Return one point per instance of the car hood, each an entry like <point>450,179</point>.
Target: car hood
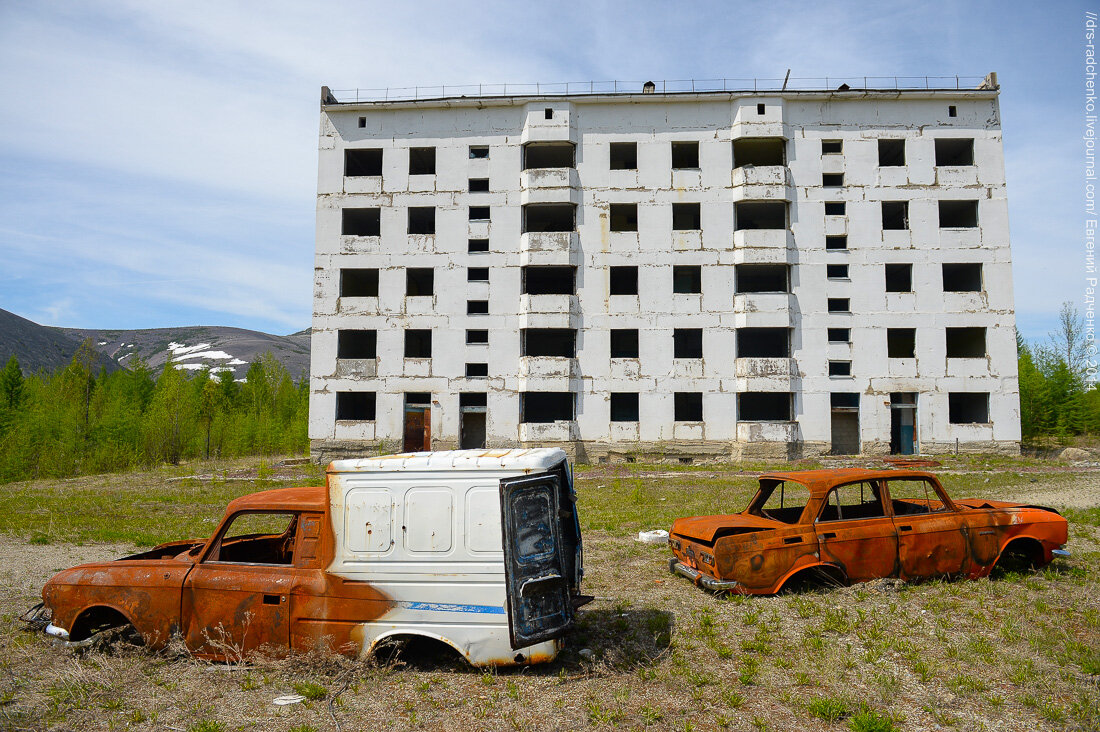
<point>704,528</point>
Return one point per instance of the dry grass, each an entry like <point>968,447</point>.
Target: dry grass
<point>1016,652</point>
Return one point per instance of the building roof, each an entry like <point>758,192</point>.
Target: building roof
<point>515,460</point>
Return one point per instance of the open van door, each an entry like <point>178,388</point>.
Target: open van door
<point>539,556</point>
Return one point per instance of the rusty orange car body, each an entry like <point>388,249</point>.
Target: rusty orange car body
<point>854,525</point>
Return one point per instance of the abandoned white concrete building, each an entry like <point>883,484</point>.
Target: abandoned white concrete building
<point>707,273</point>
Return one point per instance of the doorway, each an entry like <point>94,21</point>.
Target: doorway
<point>845,423</point>
<point>903,423</point>
<point>471,427</point>
<point>418,422</point>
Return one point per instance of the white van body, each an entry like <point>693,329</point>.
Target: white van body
<point>426,530</point>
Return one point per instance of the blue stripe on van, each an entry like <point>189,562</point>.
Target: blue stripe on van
<point>446,607</point>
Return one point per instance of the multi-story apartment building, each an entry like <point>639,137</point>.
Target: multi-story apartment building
<point>718,274</point>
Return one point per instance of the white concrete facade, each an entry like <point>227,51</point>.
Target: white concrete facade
<point>968,398</point>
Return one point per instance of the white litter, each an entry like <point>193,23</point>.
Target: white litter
<point>657,536</point>
<point>282,701</point>
<point>585,653</point>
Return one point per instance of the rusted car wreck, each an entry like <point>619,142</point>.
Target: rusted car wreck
<point>846,526</point>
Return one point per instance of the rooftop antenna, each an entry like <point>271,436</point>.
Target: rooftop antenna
<point>785,78</point>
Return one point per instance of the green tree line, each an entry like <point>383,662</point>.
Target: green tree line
<point>75,421</point>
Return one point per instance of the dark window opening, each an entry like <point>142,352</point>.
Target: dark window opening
<point>761,278</point>
<point>624,343</point>
<point>363,162</point>
<point>419,281</point>
<point>954,151</point>
<point>968,407</point>
<point>418,344</point>
<point>760,109</point>
<point>478,245</point>
<point>472,399</point>
<point>686,217</point>
<point>763,343</point>
<point>549,280</point>
<point>764,406</point>
<point>962,277</point>
<point>687,278</point>
<point>548,113</point>
<point>479,152</point>
<point>899,278</point>
<point>688,406</point>
<point>362,121</point>
<point>891,153</point>
<point>355,405</point>
<point>477,370</point>
<point>844,400</point>
<point>479,185</point>
<point>839,335</point>
<point>361,222</point>
<point>479,213</point>
<point>624,280</point>
<point>623,216</point>
<point>685,155</point>
<point>421,161</point>
<point>624,406</point>
<point>834,208</point>
<point>836,242</point>
<point>836,271</point>
<point>555,342</point>
<point>624,156</point>
<point>901,342</point>
<point>477,274</point>
<point>839,305</point>
<point>966,343</point>
<point>895,215</point>
<point>422,220</point>
<point>540,407</point>
<point>548,155</point>
<point>477,307</point>
<point>832,147</point>
<point>476,337</point>
<point>761,215</point>
<point>759,151</point>
<point>418,398</point>
<point>840,368</point>
<point>549,217</point>
<point>359,283</point>
<point>687,343</point>
<point>958,214</point>
<point>952,110</point>
<point>832,180</point>
<point>357,344</point>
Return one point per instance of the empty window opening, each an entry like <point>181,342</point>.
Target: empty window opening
<point>760,109</point>
<point>549,280</point>
<point>479,185</point>
<point>624,156</point>
<point>685,155</point>
<point>355,405</point>
<point>761,215</point>
<point>836,242</point>
<point>362,122</point>
<point>899,278</point>
<point>419,281</point>
<point>422,220</point>
<point>952,110</point>
<point>555,342</point>
<point>624,343</point>
<point>418,343</point>
<point>763,343</point>
<point>477,337</point>
<point>623,216</point>
<point>549,217</point>
<point>839,335</point>
<point>966,343</point>
<point>477,370</point>
<point>840,368</point>
<point>832,180</point>
<point>361,222</point>
<point>478,245</point>
<point>968,407</point>
<point>548,155</point>
<point>686,217</point>
<point>624,280</point>
<point>687,343</point>
<point>832,147</point>
<point>834,208</point>
<point>895,215</point>
<point>844,400</point>
<point>839,305</point>
<point>624,406</point>
<point>764,406</point>
<point>759,151</point>
<point>421,161</point>
<point>958,214</point>
<point>962,277</point>
<point>548,113</point>
<point>540,407</point>
<point>688,406</point>
<point>362,162</point>
<point>891,153</point>
<point>479,213</point>
<point>687,278</point>
<point>477,307</point>
<point>472,399</point>
<point>479,152</point>
<point>901,342</point>
<point>954,151</point>
<point>761,278</point>
<point>477,274</point>
<point>357,344</point>
<point>359,283</point>
<point>836,271</point>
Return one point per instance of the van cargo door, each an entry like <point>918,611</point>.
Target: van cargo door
<point>539,606</point>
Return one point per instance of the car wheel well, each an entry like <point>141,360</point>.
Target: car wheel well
<point>96,619</point>
<point>819,576</point>
<point>1023,552</point>
<point>418,650</point>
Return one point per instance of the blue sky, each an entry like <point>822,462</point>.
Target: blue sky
<point>158,160</point>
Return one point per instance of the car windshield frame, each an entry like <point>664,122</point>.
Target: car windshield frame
<point>764,492</point>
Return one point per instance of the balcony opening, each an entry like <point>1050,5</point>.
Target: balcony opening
<point>954,151</point>
<point>479,152</point>
<point>761,215</point>
<point>422,220</point>
<point>479,185</point>
<point>624,280</point>
<point>891,153</point>
<point>359,283</point>
<point>958,214</point>
<point>362,162</point>
<point>762,278</point>
<point>832,180</point>
<point>357,344</point>
<point>355,406</point>
<point>477,274</point>
<point>895,215</point>
<point>687,278</point>
<point>832,147</point>
<point>477,307</point>
<point>899,278</point>
<point>361,222</point>
<point>624,156</point>
<point>549,280</point>
<point>764,406</point>
<point>962,277</point>
<point>624,406</point>
<point>839,335</point>
<point>836,271</point>
<point>551,342</point>
<point>687,343</point>
<point>759,151</point>
<point>477,245</point>
<point>479,213</point>
<point>624,343</point>
<point>836,242</point>
<point>968,407</point>
<point>419,281</point>
<point>685,155</point>
<point>541,407</point>
<point>966,343</point>
<point>477,370</point>
<point>687,406</point>
<point>834,208</point>
<point>763,343</point>
<point>840,368</point>
<point>839,305</point>
<point>686,217</point>
<point>549,155</point>
<point>540,217</point>
<point>421,161</point>
<point>901,342</point>
<point>623,216</point>
<point>477,337</point>
<point>418,343</point>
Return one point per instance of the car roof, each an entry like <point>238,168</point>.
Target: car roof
<point>519,460</point>
<point>820,481</point>
<point>307,498</point>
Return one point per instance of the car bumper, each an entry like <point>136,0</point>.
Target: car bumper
<point>700,579</point>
